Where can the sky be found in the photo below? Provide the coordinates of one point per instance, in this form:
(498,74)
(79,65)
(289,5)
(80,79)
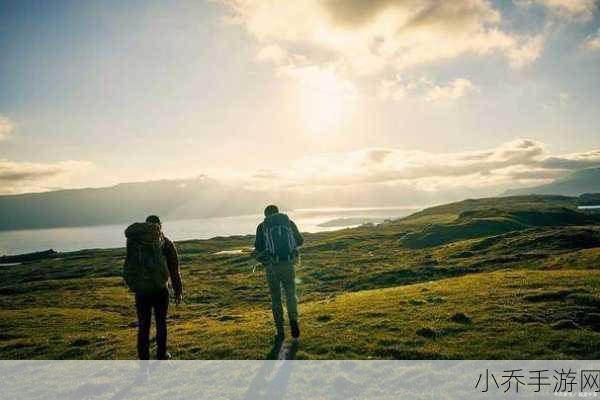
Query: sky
(419,95)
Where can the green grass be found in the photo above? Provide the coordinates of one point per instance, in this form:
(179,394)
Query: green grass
(527,292)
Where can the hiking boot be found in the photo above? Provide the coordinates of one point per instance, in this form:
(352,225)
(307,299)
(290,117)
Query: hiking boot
(295,329)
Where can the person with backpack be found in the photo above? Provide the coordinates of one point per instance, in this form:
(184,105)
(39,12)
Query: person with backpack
(151,260)
(276,246)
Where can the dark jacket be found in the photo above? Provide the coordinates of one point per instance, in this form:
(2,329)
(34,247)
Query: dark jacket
(170,253)
(259,241)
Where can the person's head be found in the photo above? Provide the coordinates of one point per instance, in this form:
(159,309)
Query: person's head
(270,210)
(153,219)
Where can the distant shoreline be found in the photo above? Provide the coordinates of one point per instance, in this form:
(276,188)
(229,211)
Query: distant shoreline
(67,239)
(351,222)
(316,210)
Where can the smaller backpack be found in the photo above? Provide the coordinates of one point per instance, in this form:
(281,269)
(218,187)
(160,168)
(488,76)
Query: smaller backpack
(279,238)
(145,269)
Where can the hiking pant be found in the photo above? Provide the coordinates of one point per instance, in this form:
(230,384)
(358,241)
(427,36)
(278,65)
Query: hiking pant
(280,275)
(144,304)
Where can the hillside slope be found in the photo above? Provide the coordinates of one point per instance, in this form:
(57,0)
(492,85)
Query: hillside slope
(364,292)
(499,315)
(524,315)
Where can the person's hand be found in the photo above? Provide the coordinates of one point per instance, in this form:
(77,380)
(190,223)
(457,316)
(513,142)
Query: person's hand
(178,299)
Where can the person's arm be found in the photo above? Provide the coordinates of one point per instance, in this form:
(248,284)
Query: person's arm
(173,264)
(297,236)
(259,240)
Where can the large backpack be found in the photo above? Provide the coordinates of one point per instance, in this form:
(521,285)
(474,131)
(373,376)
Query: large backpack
(279,237)
(145,269)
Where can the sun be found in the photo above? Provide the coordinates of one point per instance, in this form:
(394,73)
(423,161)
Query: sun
(323,113)
(325,100)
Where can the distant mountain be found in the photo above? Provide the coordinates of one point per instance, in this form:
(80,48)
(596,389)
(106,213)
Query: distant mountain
(172,200)
(574,184)
(127,202)
(202,197)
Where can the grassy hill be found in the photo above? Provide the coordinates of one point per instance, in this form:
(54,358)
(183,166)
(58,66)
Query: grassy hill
(491,278)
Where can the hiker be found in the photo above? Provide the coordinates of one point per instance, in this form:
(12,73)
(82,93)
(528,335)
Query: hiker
(276,246)
(151,260)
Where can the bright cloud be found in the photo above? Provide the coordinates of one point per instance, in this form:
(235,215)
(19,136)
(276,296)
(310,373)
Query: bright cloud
(521,161)
(395,89)
(592,43)
(454,90)
(6,127)
(272,53)
(362,38)
(22,177)
(527,52)
(424,89)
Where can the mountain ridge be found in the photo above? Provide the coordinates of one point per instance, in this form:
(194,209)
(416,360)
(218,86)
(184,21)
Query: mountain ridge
(205,197)
(574,184)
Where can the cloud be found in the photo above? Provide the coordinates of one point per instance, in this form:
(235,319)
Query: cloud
(425,89)
(454,90)
(572,161)
(522,161)
(6,127)
(272,53)
(366,38)
(395,89)
(592,42)
(22,177)
(569,9)
(526,52)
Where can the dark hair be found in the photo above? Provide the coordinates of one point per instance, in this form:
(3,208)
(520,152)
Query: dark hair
(153,219)
(271,209)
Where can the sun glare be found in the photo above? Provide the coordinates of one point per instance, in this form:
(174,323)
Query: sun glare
(324,98)
(322,112)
